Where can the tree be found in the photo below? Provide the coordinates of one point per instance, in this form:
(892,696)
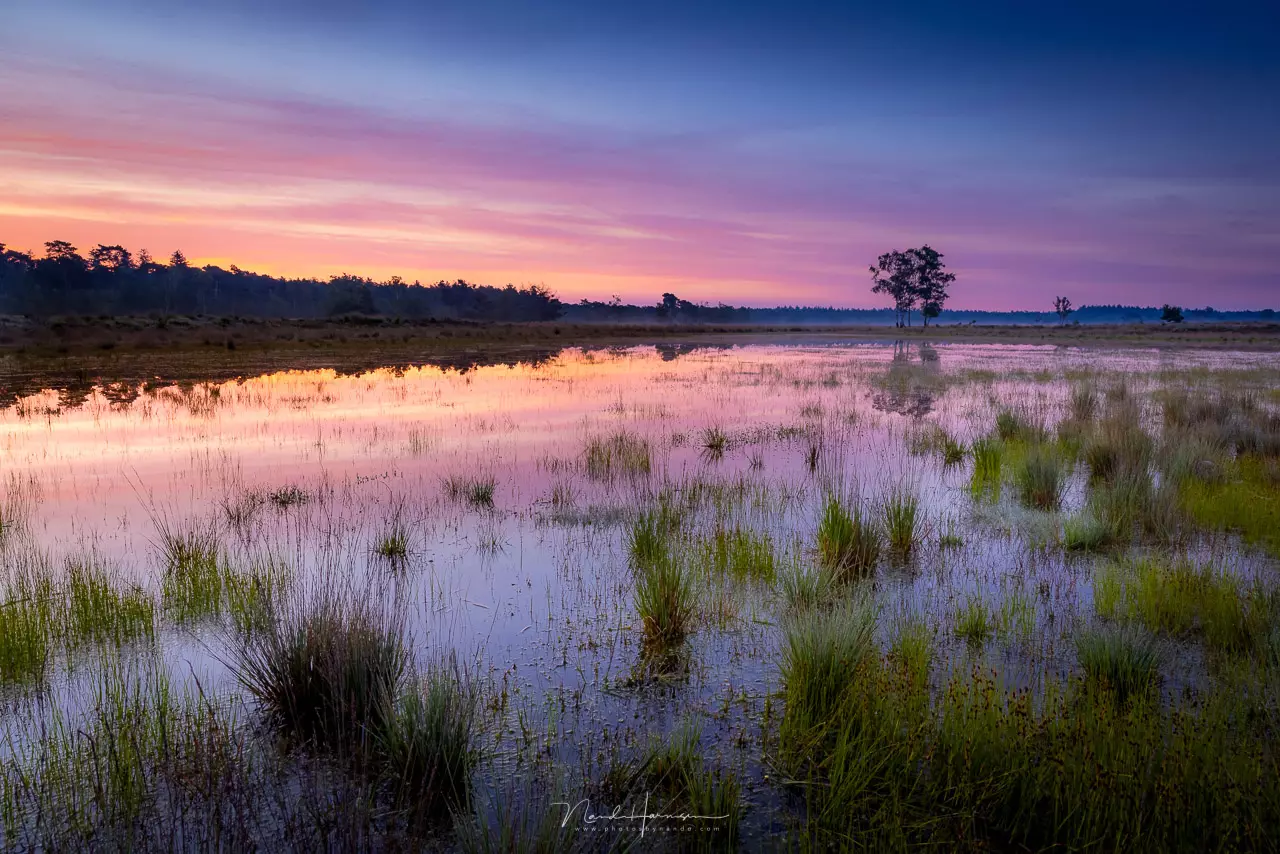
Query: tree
(893,275)
(911,278)
(177,259)
(61,250)
(1171,313)
(1062,306)
(110,258)
(667,308)
(931,281)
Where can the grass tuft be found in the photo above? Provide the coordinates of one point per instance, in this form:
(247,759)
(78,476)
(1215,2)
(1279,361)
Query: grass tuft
(848,544)
(1121,659)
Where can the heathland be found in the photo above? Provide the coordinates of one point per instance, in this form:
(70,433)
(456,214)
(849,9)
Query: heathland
(801,590)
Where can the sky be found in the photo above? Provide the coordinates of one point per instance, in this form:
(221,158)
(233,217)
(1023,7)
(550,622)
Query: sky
(754,153)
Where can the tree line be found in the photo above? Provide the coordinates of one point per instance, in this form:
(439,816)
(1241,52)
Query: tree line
(111,280)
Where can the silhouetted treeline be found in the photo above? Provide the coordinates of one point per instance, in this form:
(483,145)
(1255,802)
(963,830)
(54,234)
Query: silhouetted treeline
(112,281)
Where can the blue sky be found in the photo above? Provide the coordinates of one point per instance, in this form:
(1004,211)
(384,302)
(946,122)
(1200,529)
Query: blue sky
(753,153)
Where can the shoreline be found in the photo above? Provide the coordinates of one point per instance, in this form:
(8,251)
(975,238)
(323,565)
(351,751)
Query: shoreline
(77,337)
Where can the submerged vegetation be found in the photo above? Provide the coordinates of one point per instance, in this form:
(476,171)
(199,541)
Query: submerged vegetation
(809,599)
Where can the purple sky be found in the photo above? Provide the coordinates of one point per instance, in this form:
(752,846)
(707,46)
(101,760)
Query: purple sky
(747,153)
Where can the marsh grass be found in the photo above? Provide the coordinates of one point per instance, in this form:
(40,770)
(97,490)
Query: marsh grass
(900,514)
(97,612)
(474,490)
(822,652)
(933,439)
(805,587)
(988,462)
(1085,532)
(1083,401)
(653,534)
(1039,478)
(974,622)
(976,766)
(1181,599)
(666,601)
(328,670)
(1121,659)
(1016,618)
(426,746)
(622,454)
(849,544)
(1118,445)
(741,553)
(288,496)
(24,638)
(912,649)
(714,443)
(1247,501)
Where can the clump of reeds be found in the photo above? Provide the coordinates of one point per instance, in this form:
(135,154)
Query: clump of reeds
(477,491)
(974,622)
(426,746)
(1118,446)
(621,454)
(988,462)
(329,670)
(665,601)
(288,496)
(1039,478)
(805,587)
(933,439)
(822,653)
(714,443)
(900,513)
(849,544)
(1121,659)
(1087,533)
(741,553)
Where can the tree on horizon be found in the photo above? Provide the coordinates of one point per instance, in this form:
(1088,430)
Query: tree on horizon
(913,277)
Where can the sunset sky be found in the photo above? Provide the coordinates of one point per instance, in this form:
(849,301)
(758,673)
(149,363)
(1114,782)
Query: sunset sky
(752,153)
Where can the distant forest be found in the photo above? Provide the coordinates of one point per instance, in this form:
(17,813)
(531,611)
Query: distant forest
(111,280)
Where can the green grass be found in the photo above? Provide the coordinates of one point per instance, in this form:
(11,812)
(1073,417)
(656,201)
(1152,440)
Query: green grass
(392,545)
(805,587)
(619,455)
(912,649)
(1013,427)
(650,539)
(99,613)
(427,744)
(740,553)
(665,600)
(328,671)
(982,767)
(476,491)
(1085,532)
(1118,445)
(933,439)
(822,652)
(714,442)
(988,462)
(24,637)
(1120,659)
(849,545)
(1039,477)
(1248,503)
(1016,617)
(1182,599)
(900,513)
(974,622)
